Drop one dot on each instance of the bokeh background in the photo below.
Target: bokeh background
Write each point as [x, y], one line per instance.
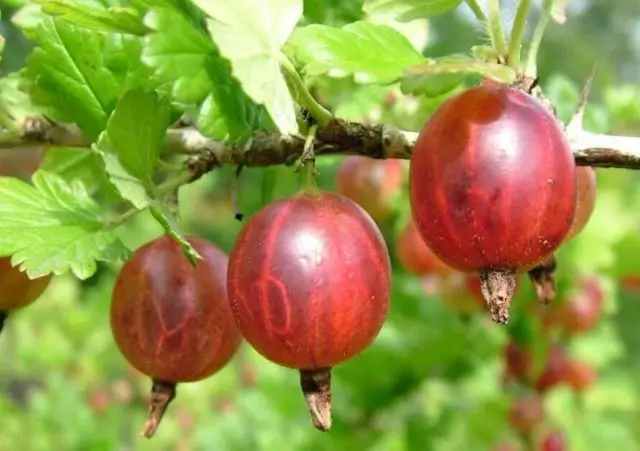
[434, 378]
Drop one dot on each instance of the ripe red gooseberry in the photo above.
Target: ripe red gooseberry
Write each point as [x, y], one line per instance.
[582, 309]
[519, 360]
[492, 186]
[371, 183]
[586, 186]
[542, 275]
[309, 282]
[554, 370]
[172, 321]
[415, 256]
[17, 290]
[554, 441]
[580, 375]
[526, 413]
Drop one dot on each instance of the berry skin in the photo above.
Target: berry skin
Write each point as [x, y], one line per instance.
[172, 321]
[519, 361]
[415, 256]
[309, 282]
[554, 441]
[526, 414]
[586, 185]
[582, 310]
[371, 183]
[580, 376]
[17, 290]
[554, 371]
[492, 186]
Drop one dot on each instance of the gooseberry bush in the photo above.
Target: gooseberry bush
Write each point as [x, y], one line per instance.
[403, 214]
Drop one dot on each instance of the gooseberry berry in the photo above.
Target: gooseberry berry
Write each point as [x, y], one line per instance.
[554, 441]
[554, 370]
[526, 413]
[519, 360]
[579, 375]
[586, 186]
[415, 256]
[172, 321]
[309, 282]
[371, 183]
[492, 186]
[17, 290]
[582, 309]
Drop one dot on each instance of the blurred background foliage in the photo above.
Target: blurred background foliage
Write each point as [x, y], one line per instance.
[434, 378]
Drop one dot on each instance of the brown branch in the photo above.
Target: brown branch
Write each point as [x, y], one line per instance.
[340, 137]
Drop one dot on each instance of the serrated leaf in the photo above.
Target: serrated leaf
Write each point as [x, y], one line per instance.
[75, 164]
[54, 227]
[79, 74]
[184, 55]
[407, 10]
[136, 131]
[130, 188]
[250, 34]
[417, 78]
[371, 53]
[117, 20]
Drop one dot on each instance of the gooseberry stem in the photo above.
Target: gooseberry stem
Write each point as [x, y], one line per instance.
[498, 288]
[517, 33]
[543, 281]
[477, 11]
[162, 393]
[496, 32]
[531, 69]
[300, 92]
[308, 161]
[316, 387]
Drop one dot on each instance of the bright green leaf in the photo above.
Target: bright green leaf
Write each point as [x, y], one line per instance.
[118, 20]
[371, 53]
[54, 226]
[130, 187]
[80, 73]
[250, 34]
[76, 164]
[407, 10]
[420, 79]
[184, 55]
[136, 131]
[15, 105]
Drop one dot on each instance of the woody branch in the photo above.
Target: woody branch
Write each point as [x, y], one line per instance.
[339, 137]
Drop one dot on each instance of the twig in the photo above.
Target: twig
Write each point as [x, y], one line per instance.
[339, 137]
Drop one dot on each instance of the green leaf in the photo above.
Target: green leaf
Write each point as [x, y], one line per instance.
[421, 79]
[136, 131]
[54, 226]
[73, 164]
[371, 53]
[407, 10]
[118, 20]
[184, 55]
[250, 34]
[80, 73]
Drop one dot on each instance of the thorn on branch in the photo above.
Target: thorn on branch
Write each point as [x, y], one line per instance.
[575, 124]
